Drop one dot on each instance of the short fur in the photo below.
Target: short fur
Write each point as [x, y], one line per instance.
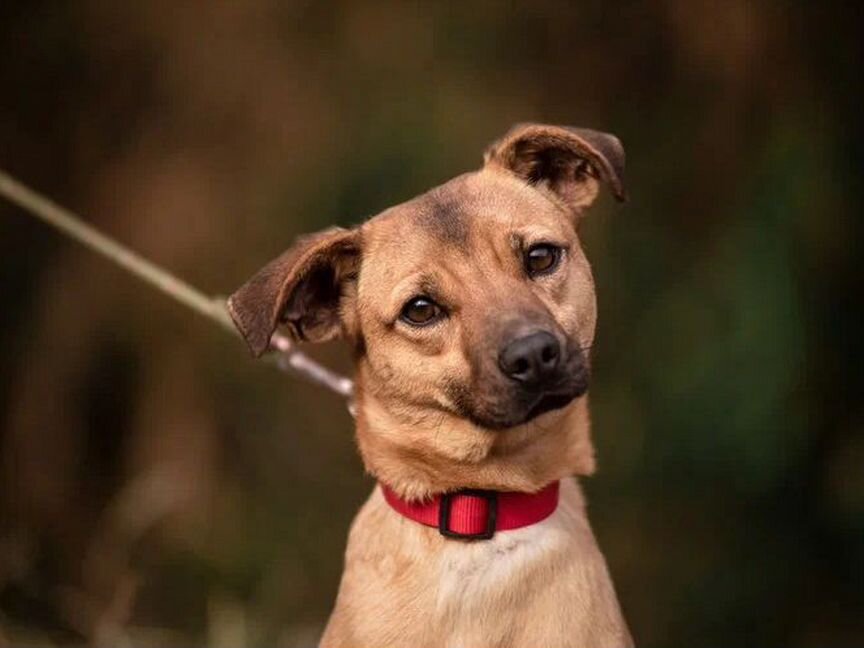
[435, 411]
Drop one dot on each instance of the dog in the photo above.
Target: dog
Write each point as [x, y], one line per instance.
[471, 312]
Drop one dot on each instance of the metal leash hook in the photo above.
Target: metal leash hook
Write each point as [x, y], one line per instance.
[287, 357]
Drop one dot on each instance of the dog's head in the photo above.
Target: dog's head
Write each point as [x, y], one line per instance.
[470, 309]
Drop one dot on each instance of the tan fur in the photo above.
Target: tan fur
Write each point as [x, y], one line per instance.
[424, 394]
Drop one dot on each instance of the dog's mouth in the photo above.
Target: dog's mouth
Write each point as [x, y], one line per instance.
[558, 399]
[549, 402]
[544, 403]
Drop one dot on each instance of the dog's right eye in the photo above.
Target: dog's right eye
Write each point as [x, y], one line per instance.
[420, 311]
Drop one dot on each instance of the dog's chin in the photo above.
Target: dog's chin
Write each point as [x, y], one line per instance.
[545, 403]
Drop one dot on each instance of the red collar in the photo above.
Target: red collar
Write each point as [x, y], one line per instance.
[477, 514]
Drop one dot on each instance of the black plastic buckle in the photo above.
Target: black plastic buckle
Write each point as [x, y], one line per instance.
[446, 503]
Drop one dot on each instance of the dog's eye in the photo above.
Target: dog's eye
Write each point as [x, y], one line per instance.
[541, 259]
[420, 311]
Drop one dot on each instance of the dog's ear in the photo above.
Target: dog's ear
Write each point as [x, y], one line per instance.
[571, 162]
[301, 289]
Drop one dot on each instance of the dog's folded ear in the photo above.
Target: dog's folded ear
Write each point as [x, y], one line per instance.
[301, 289]
[570, 162]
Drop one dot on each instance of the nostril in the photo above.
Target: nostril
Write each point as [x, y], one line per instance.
[549, 354]
[520, 366]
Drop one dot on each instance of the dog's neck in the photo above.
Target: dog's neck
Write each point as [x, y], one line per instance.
[397, 450]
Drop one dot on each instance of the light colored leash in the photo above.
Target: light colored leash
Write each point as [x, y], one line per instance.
[288, 357]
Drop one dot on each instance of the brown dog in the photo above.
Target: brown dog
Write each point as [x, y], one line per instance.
[471, 313]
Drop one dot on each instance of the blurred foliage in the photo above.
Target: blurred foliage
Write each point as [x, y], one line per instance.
[159, 488]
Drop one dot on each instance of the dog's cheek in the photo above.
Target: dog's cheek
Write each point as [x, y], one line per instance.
[577, 311]
[399, 372]
[586, 318]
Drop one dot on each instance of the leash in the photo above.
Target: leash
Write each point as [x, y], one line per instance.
[287, 358]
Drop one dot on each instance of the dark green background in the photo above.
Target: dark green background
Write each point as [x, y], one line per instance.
[158, 487]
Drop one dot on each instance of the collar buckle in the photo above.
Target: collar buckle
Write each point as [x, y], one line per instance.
[445, 511]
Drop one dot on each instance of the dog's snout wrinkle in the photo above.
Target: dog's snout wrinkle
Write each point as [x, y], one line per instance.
[532, 359]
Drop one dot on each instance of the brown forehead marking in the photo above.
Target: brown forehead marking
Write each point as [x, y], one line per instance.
[442, 216]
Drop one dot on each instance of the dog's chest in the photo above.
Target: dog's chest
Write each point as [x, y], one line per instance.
[480, 582]
[545, 584]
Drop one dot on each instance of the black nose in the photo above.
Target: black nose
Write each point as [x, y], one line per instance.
[531, 359]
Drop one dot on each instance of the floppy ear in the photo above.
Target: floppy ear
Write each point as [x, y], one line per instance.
[301, 289]
[571, 162]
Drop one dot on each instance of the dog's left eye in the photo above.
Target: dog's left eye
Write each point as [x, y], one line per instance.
[542, 259]
[420, 311]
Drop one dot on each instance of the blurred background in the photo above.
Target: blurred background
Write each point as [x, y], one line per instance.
[159, 488]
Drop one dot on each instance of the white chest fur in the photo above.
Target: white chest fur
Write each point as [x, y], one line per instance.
[481, 583]
[471, 572]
